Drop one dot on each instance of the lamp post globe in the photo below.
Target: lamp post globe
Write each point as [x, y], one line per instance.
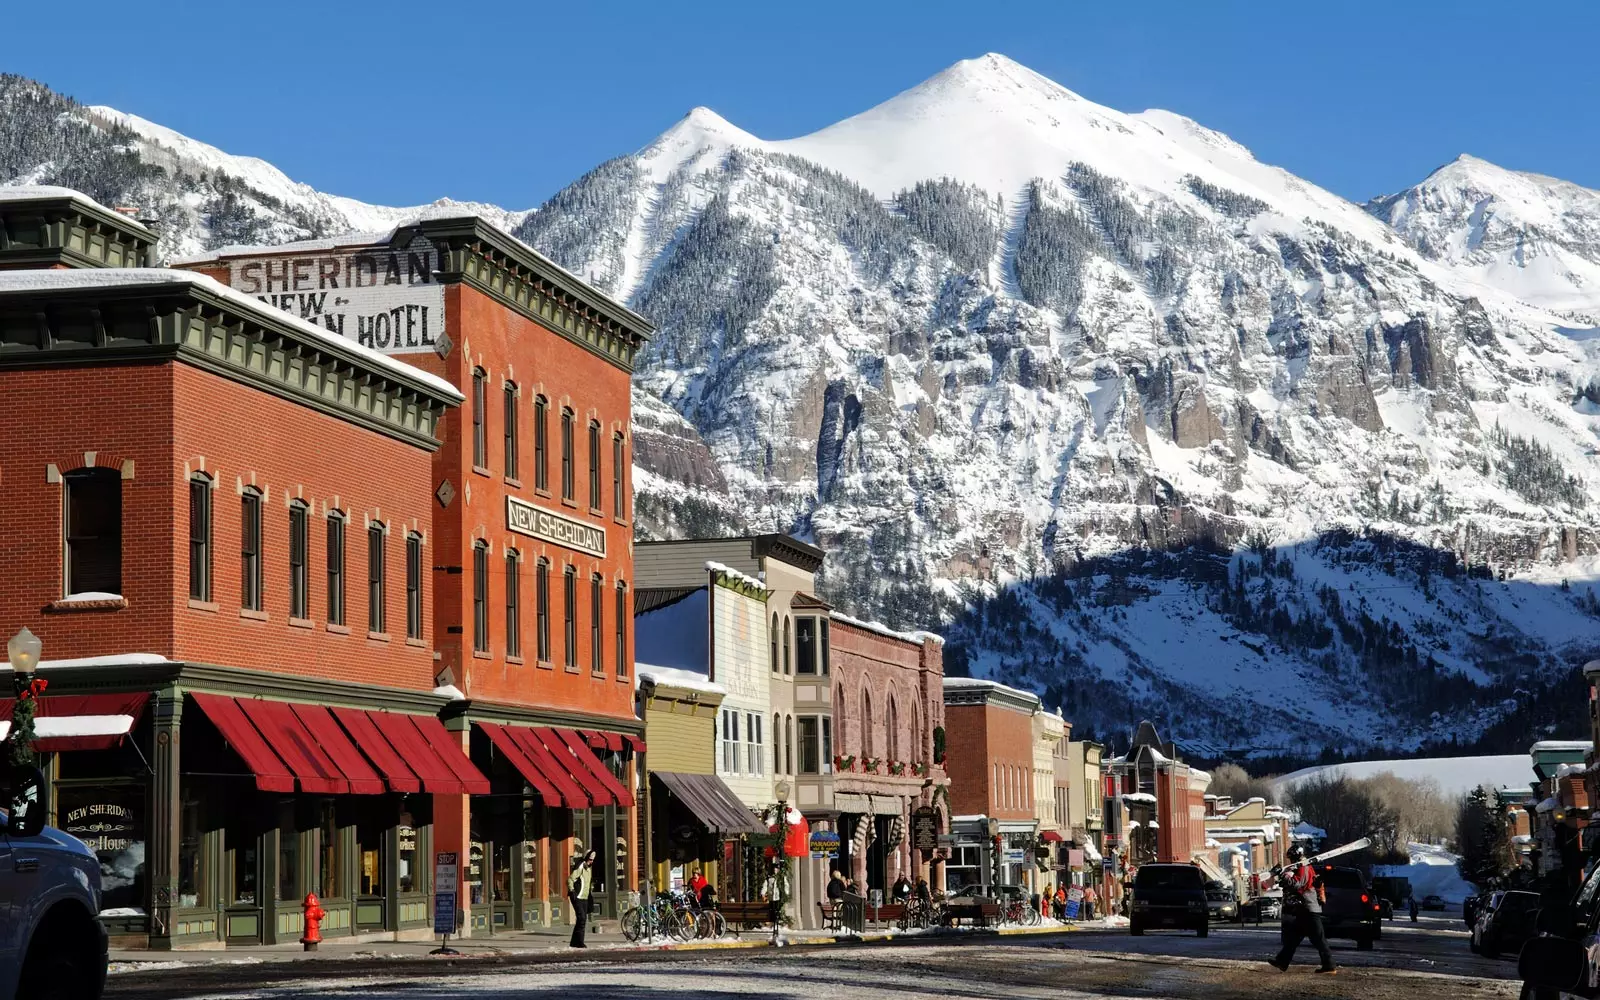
[22, 655]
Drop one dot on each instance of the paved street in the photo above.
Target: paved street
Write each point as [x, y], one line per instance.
[1427, 960]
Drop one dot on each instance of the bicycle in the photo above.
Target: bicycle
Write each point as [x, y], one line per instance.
[660, 919]
[1017, 911]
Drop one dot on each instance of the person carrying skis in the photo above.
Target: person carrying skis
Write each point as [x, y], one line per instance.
[1302, 913]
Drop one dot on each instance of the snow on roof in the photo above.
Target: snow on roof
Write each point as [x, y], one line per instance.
[55, 727]
[734, 574]
[979, 684]
[675, 635]
[688, 680]
[450, 691]
[1559, 746]
[366, 239]
[1455, 775]
[1548, 805]
[1308, 830]
[1145, 797]
[113, 659]
[50, 192]
[25, 282]
[879, 627]
[1567, 770]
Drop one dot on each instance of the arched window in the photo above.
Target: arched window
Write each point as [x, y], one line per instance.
[788, 744]
[376, 574]
[512, 448]
[866, 723]
[541, 444]
[299, 549]
[513, 603]
[568, 485]
[786, 644]
[772, 637]
[594, 465]
[893, 741]
[480, 439]
[250, 588]
[336, 522]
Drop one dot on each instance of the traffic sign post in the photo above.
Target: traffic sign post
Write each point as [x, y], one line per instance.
[446, 872]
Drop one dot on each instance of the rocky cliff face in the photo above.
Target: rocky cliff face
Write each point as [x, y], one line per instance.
[1054, 378]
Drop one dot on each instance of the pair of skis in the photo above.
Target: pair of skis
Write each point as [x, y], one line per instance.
[1354, 845]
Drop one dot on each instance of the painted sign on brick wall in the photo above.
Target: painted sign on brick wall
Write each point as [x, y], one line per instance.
[380, 297]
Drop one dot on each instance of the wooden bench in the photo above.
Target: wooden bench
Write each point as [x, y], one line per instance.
[747, 916]
[830, 915]
[888, 913]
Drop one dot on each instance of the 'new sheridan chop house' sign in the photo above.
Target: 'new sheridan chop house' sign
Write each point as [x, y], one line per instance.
[527, 519]
[382, 298]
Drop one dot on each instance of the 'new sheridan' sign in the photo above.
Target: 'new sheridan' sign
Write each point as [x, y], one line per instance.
[526, 519]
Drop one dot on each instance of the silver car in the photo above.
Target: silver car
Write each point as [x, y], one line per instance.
[51, 941]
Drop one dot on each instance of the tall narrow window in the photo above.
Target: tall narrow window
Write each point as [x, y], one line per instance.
[597, 604]
[788, 744]
[822, 645]
[893, 736]
[623, 615]
[93, 525]
[541, 444]
[480, 435]
[513, 603]
[805, 645]
[786, 644]
[541, 602]
[512, 446]
[569, 607]
[866, 724]
[376, 596]
[752, 741]
[772, 643]
[413, 586]
[250, 550]
[200, 538]
[827, 744]
[335, 568]
[777, 743]
[730, 741]
[480, 597]
[594, 465]
[618, 457]
[568, 486]
[810, 745]
[299, 548]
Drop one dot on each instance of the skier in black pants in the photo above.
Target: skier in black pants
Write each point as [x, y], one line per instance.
[1302, 914]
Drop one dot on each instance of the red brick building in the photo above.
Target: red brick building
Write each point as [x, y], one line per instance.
[532, 522]
[1161, 804]
[989, 758]
[218, 514]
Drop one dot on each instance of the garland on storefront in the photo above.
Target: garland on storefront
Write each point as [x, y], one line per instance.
[938, 744]
[22, 733]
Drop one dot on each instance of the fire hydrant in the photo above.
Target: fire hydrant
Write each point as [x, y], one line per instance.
[313, 919]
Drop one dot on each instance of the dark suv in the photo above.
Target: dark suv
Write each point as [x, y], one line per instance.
[1351, 910]
[1169, 895]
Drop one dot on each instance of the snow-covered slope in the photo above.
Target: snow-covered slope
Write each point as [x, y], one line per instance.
[1454, 775]
[1140, 422]
[1536, 238]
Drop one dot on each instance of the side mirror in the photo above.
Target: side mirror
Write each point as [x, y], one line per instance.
[25, 802]
[1553, 963]
[1556, 919]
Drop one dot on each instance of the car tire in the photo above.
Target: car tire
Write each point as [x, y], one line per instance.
[1363, 944]
[1204, 930]
[1135, 928]
[1488, 949]
[1472, 943]
[61, 969]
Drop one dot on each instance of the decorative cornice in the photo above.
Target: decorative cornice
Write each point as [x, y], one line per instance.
[114, 324]
[788, 549]
[237, 681]
[517, 276]
[72, 230]
[998, 696]
[740, 584]
[461, 712]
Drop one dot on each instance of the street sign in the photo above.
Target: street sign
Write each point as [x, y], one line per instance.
[1015, 855]
[1108, 862]
[925, 829]
[446, 866]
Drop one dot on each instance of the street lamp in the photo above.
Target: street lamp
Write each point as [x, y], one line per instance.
[780, 876]
[22, 658]
[994, 853]
[22, 654]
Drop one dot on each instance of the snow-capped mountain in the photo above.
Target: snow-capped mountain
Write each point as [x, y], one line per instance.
[1140, 422]
[1536, 238]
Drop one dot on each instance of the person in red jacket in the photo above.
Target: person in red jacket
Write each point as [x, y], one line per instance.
[1302, 913]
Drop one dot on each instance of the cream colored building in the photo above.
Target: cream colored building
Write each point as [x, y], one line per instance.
[1050, 732]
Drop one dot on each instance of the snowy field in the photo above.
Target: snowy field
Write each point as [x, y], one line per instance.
[1454, 775]
[1432, 872]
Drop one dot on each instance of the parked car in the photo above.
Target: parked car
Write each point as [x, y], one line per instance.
[1169, 895]
[1220, 901]
[1505, 923]
[1393, 890]
[977, 891]
[52, 943]
[1559, 962]
[1433, 902]
[1385, 908]
[1350, 911]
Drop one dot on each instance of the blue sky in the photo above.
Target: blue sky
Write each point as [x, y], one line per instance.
[406, 101]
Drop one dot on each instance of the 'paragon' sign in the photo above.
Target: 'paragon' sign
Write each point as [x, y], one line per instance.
[527, 519]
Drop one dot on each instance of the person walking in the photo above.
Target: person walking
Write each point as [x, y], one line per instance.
[578, 893]
[1088, 901]
[1411, 900]
[1302, 913]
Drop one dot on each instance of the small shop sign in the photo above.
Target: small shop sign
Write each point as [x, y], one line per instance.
[446, 868]
[925, 829]
[824, 844]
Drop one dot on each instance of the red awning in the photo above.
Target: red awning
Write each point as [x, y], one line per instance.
[98, 721]
[637, 742]
[319, 723]
[523, 763]
[437, 777]
[573, 792]
[598, 792]
[281, 728]
[448, 747]
[594, 737]
[1050, 837]
[383, 755]
[596, 767]
[225, 714]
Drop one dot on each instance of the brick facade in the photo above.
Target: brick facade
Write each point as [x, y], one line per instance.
[990, 761]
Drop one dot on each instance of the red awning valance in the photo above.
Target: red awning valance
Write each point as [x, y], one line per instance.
[1050, 837]
[81, 721]
[637, 742]
[271, 773]
[437, 777]
[596, 767]
[573, 792]
[598, 793]
[448, 747]
[384, 756]
[283, 731]
[524, 764]
[319, 722]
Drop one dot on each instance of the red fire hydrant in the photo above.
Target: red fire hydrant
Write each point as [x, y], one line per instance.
[313, 919]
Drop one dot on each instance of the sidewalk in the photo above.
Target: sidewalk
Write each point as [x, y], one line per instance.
[552, 944]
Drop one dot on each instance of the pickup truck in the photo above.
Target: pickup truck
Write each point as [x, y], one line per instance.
[52, 944]
[1350, 910]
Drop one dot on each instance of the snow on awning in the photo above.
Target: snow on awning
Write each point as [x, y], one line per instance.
[1139, 798]
[1091, 853]
[1206, 865]
[74, 726]
[1154, 825]
[1548, 805]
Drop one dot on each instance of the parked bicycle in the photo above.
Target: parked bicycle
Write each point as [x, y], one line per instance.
[1018, 911]
[661, 919]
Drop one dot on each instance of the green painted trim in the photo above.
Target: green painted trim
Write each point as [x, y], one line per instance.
[118, 325]
[181, 677]
[755, 592]
[51, 226]
[460, 714]
[520, 278]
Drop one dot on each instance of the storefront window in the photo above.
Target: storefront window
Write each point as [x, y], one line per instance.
[110, 820]
[502, 872]
[408, 855]
[371, 866]
[191, 854]
[330, 855]
[288, 853]
[532, 831]
[475, 873]
[242, 844]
